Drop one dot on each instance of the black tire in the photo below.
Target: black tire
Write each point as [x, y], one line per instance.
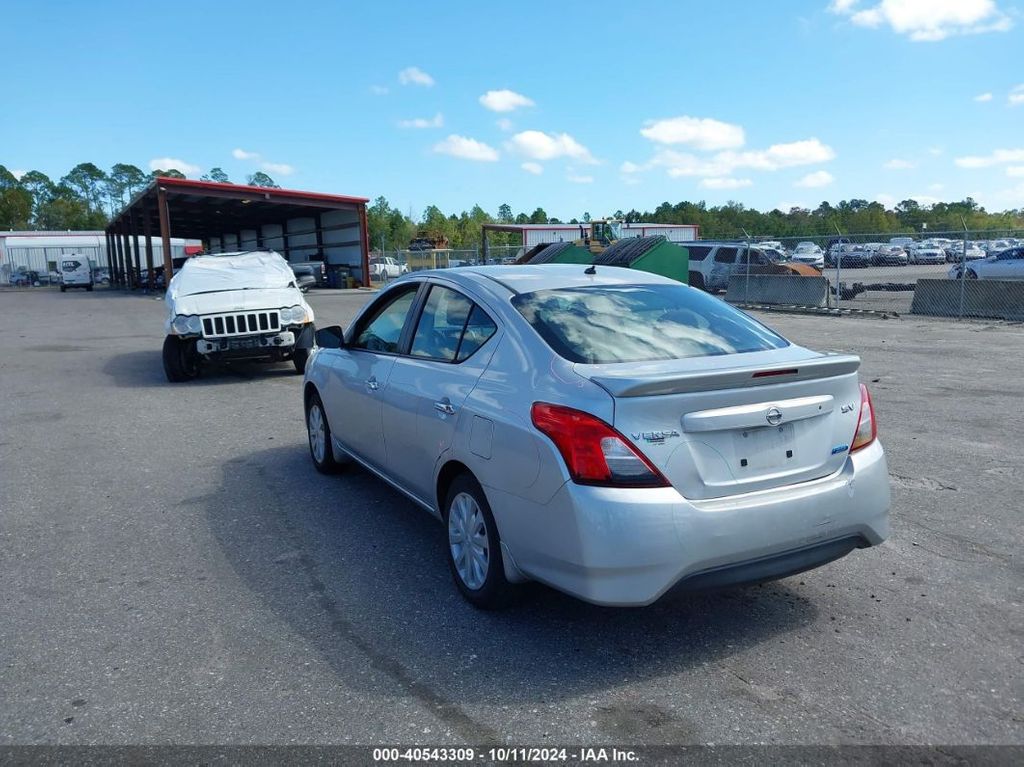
[971, 274]
[89, 287]
[495, 592]
[299, 359]
[181, 361]
[697, 281]
[326, 463]
[63, 288]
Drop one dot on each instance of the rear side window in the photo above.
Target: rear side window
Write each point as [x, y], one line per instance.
[479, 328]
[441, 323]
[451, 327]
[639, 323]
[698, 252]
[726, 255]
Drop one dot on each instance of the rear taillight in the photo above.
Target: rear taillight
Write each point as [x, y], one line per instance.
[593, 451]
[867, 427]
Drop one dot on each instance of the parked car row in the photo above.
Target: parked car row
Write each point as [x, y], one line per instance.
[1007, 265]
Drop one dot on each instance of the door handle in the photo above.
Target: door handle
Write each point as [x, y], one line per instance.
[371, 384]
[444, 406]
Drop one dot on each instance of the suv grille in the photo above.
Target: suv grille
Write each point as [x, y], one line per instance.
[240, 324]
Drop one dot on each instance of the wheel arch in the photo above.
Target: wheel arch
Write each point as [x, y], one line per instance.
[451, 469]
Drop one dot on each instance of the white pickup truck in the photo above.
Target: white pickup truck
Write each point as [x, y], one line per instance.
[235, 306]
[386, 268]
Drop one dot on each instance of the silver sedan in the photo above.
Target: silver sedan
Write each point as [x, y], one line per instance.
[608, 432]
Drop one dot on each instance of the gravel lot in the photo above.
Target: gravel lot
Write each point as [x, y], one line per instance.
[174, 571]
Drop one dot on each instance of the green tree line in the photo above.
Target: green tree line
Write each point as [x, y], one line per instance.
[392, 229]
[87, 196]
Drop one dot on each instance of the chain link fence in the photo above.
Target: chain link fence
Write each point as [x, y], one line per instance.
[944, 274]
[394, 263]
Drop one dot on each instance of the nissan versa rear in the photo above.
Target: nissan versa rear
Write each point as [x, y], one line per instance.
[611, 433]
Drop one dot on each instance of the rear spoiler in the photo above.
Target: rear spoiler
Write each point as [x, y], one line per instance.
[629, 384]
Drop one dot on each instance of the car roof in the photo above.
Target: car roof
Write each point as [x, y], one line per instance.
[503, 280]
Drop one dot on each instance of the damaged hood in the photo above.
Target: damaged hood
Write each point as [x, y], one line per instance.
[249, 299]
[240, 282]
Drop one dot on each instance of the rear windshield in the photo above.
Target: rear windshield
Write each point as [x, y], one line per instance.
[637, 323]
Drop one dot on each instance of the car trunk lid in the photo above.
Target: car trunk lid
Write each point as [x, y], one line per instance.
[719, 426]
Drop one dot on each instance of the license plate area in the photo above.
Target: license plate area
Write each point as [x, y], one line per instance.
[243, 343]
[765, 448]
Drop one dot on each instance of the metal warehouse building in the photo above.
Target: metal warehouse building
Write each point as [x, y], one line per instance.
[540, 234]
[302, 226]
[40, 251]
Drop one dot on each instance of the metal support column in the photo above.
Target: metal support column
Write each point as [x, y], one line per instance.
[147, 231]
[138, 254]
[165, 234]
[364, 242]
[129, 266]
[119, 246]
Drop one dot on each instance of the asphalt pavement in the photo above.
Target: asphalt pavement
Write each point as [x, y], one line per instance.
[175, 571]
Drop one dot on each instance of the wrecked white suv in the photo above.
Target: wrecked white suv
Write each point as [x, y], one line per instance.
[235, 306]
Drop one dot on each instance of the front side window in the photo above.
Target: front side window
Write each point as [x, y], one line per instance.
[639, 323]
[382, 331]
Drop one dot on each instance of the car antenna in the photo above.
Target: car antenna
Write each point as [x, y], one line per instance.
[592, 269]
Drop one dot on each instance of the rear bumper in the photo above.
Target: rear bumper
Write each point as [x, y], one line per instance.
[628, 547]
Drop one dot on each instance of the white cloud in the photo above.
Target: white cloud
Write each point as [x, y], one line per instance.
[437, 121]
[505, 100]
[280, 168]
[379, 90]
[466, 149]
[788, 206]
[935, 151]
[18, 173]
[888, 201]
[924, 199]
[724, 164]
[1014, 171]
[936, 187]
[998, 157]
[241, 154]
[415, 76]
[698, 132]
[504, 124]
[579, 179]
[1016, 97]
[169, 163]
[927, 20]
[816, 179]
[630, 180]
[537, 145]
[725, 183]
[533, 167]
[983, 97]
[898, 164]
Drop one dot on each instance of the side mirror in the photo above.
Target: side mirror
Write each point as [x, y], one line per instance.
[330, 337]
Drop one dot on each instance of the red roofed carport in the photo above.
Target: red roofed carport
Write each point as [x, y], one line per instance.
[302, 226]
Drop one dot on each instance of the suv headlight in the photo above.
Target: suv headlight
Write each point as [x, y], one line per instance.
[293, 315]
[185, 325]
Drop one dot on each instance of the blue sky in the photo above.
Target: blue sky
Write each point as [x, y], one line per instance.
[607, 106]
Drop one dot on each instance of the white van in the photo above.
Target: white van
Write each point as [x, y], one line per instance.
[75, 272]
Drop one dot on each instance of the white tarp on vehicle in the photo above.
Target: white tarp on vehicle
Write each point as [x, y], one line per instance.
[257, 270]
